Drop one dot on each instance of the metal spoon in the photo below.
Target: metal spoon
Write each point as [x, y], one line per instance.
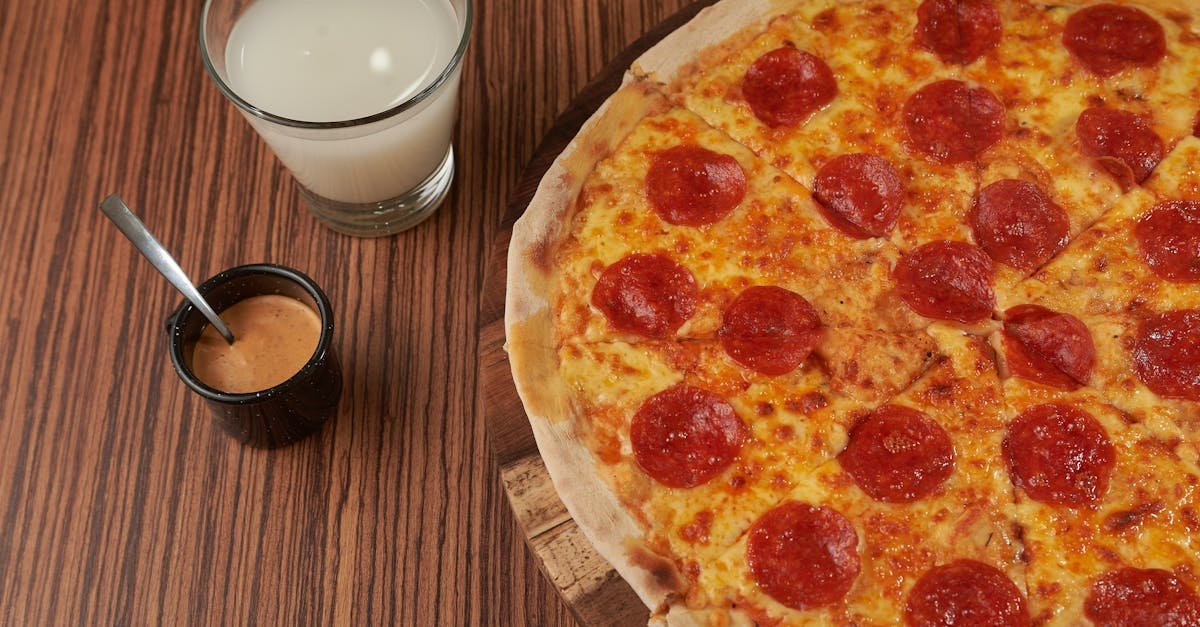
[152, 250]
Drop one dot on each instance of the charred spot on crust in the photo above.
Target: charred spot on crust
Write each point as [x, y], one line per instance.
[541, 254]
[662, 570]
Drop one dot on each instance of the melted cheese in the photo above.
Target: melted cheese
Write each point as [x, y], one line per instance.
[1102, 278]
[795, 422]
[867, 47]
[970, 517]
[776, 236]
[1148, 518]
[1044, 89]
[1103, 272]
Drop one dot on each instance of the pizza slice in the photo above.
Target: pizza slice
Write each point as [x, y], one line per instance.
[1118, 310]
[1150, 369]
[1148, 366]
[1143, 256]
[913, 518]
[1143, 56]
[678, 220]
[1088, 116]
[1107, 509]
[693, 445]
[681, 233]
[842, 97]
[1094, 85]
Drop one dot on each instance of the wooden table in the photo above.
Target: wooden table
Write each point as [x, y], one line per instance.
[120, 500]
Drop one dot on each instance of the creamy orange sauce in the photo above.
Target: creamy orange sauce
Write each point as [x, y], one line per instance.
[274, 336]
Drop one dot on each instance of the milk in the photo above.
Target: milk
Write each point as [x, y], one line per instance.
[332, 61]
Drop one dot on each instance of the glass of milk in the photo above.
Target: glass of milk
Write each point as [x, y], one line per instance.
[357, 98]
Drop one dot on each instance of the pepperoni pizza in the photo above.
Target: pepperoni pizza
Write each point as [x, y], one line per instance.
[860, 312]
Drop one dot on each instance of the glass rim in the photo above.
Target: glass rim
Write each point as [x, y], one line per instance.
[408, 103]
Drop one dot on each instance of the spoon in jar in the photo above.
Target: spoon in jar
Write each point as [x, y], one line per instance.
[153, 251]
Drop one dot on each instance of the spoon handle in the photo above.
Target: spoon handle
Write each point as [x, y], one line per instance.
[153, 251]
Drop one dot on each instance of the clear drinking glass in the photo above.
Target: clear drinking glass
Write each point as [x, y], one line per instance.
[367, 171]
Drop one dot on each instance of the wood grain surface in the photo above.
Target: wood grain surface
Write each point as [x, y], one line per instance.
[593, 589]
[120, 501]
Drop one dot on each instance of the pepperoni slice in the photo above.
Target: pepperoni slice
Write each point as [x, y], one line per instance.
[692, 185]
[1108, 38]
[1138, 596]
[803, 555]
[1018, 224]
[1048, 347]
[1166, 354]
[952, 122]
[684, 436]
[769, 329]
[1122, 142]
[1169, 236]
[785, 86]
[958, 31]
[898, 455]
[647, 294]
[1059, 455]
[966, 592]
[948, 281]
[860, 194]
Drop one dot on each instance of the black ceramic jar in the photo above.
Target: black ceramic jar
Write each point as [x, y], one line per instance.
[282, 414]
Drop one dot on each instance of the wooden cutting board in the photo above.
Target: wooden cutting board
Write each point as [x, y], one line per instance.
[595, 592]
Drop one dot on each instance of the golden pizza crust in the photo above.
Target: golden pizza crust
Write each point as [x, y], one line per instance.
[716, 24]
[529, 325]
[546, 222]
[530, 342]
